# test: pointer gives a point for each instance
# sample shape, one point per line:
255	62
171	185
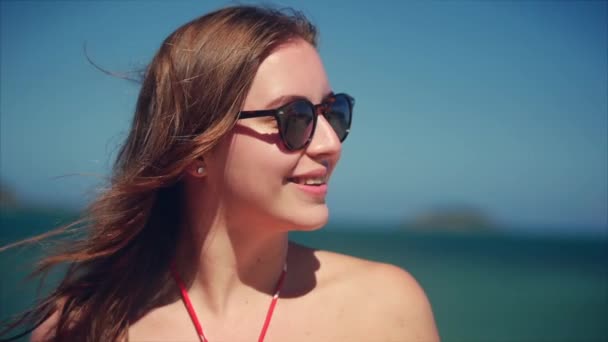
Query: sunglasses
297	120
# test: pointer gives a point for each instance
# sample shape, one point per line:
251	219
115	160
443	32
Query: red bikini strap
189	307
275	297
194	318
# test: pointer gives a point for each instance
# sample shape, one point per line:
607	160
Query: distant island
453	218
8	199
11	203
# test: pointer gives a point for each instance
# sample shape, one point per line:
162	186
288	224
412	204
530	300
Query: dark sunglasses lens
339	116
297	124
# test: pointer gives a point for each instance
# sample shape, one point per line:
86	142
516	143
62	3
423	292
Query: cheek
256	169
251	182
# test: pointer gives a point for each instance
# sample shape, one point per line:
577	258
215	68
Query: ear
197	169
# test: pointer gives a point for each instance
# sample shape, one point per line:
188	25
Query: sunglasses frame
321	108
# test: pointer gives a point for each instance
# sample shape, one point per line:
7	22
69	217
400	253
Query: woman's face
258	181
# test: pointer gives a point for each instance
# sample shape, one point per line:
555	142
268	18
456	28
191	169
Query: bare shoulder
45	331
384	299
402	305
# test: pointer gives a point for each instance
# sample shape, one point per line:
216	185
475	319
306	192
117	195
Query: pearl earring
200	170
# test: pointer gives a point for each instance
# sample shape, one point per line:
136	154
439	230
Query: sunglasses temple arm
256	114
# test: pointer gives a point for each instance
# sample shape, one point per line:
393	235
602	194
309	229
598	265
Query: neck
223	261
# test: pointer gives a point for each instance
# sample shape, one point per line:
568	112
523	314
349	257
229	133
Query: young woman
235	136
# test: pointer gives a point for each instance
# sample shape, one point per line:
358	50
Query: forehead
294	68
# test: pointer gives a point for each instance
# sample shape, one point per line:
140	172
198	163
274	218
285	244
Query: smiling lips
314	183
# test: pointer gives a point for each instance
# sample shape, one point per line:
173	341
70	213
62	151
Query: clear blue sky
500	106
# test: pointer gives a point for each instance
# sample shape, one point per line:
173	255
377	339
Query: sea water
482	286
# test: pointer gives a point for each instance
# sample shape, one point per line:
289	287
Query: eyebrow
281	100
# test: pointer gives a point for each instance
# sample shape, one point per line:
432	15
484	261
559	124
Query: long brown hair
190	97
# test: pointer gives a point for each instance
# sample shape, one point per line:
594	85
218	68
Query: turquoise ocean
485	286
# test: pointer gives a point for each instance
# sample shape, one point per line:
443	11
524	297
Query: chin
311	219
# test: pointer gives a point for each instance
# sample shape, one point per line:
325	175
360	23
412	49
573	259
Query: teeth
310	181
314	181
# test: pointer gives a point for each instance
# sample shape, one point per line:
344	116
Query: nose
324	142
